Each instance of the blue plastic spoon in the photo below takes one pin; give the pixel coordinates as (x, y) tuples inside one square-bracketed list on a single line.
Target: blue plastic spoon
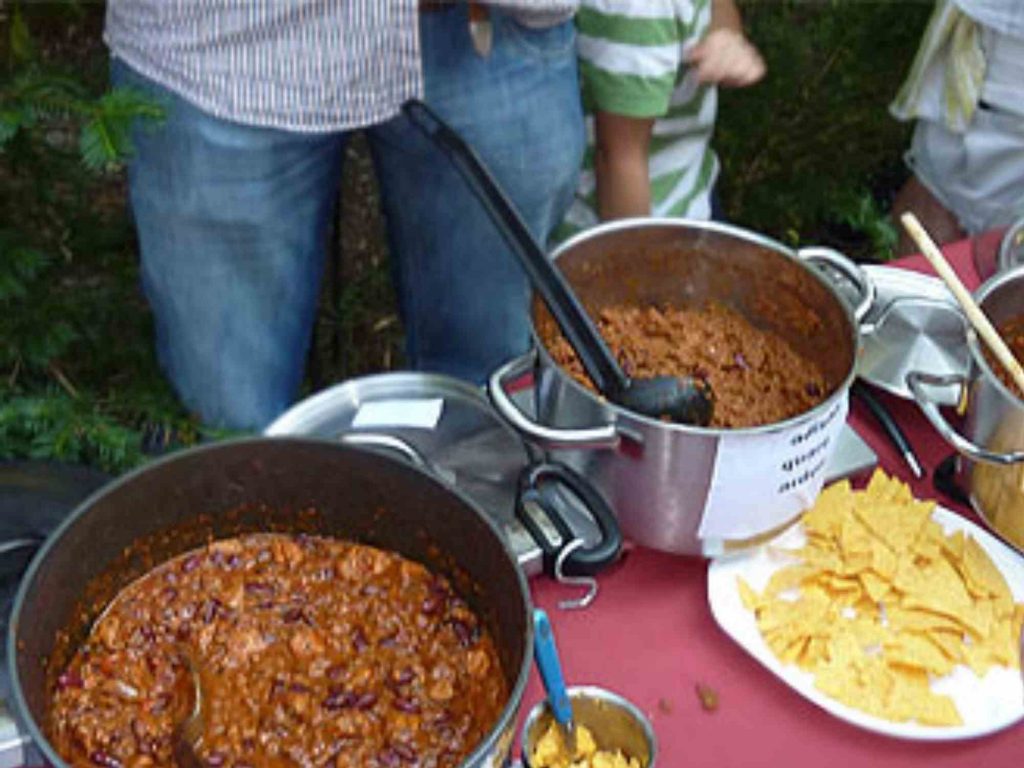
[(545, 654)]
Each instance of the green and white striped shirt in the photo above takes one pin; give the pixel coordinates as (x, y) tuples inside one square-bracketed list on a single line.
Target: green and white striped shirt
[(631, 63)]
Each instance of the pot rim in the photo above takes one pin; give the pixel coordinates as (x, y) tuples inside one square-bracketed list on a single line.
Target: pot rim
[(991, 285), (19, 705), (740, 233)]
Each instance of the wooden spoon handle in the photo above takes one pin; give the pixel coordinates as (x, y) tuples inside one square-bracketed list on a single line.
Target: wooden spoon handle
[(975, 316)]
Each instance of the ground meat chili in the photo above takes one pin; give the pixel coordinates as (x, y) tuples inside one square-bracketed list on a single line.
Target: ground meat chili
[(1012, 332), (756, 377), (312, 651)]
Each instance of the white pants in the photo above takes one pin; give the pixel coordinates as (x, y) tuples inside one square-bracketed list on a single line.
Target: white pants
[(979, 174)]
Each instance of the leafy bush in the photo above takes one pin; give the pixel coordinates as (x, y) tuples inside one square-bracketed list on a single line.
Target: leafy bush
[(71, 323), (811, 154)]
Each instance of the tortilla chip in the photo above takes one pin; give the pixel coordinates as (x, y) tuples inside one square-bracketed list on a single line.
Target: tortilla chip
[(883, 601)]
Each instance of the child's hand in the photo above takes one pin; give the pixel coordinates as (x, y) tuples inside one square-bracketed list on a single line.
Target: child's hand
[(726, 57)]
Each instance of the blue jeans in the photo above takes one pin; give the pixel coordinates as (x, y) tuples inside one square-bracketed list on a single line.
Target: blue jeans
[(232, 221)]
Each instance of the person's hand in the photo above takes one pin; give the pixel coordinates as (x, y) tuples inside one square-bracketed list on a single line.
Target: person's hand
[(726, 57)]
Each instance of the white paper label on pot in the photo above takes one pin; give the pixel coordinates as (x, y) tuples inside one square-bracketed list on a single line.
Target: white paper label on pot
[(761, 481), (422, 413)]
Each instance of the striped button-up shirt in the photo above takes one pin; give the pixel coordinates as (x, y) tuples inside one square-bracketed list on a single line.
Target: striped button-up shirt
[(303, 65)]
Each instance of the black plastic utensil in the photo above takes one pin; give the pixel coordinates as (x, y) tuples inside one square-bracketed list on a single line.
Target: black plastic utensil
[(944, 480), (683, 401), (889, 426)]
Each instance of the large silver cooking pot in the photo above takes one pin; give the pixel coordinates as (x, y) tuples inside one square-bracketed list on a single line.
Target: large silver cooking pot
[(262, 484), (657, 476), (991, 445)]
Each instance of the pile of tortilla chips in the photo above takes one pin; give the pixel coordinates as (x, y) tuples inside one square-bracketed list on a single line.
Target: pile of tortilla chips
[(881, 601)]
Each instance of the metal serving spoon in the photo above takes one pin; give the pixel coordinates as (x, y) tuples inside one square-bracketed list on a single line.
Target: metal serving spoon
[(680, 400), (188, 733)]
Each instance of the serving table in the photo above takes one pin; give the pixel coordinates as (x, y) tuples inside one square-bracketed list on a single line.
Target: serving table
[(650, 636)]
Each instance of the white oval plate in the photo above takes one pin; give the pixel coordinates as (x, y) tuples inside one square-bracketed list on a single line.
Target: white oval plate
[(986, 704)]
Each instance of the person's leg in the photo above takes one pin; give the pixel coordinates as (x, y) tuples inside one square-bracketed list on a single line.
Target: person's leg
[(463, 296), (936, 161), (231, 223), (940, 222)]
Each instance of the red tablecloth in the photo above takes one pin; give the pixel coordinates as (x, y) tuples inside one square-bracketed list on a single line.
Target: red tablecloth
[(650, 636)]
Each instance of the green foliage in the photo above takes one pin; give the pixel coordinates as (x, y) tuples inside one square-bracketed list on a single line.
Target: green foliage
[(19, 266), (357, 329), (35, 94), (51, 425), (22, 47), (862, 213), (34, 97), (78, 381), (105, 137), (28, 342), (794, 146)]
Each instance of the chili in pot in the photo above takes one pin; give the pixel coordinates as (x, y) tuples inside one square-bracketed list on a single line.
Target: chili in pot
[(312, 651)]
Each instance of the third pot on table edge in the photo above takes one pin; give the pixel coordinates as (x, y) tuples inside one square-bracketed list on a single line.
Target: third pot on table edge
[(991, 446)]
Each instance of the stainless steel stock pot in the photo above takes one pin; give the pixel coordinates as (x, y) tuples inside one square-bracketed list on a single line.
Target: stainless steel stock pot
[(657, 476), (991, 444)]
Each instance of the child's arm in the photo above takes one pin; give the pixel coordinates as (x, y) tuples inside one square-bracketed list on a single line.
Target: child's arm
[(620, 165), (627, 83), (622, 150), (725, 56)]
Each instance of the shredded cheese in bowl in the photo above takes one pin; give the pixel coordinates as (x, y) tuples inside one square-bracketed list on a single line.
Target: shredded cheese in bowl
[(551, 752)]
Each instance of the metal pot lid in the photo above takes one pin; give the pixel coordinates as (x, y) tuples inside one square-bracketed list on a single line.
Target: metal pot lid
[(448, 428), (441, 423), (914, 324)]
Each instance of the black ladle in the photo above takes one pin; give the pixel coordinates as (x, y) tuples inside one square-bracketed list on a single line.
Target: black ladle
[(680, 400)]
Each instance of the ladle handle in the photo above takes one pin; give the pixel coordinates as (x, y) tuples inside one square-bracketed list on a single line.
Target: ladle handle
[(598, 361)]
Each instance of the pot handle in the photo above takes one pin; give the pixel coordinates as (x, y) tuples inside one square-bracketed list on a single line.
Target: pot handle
[(31, 543), (393, 444), (549, 438), (869, 328), (533, 511), (917, 381), (18, 749), (866, 290), (386, 443)]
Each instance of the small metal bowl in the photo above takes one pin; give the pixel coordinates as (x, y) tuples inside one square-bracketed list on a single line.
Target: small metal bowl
[(615, 722)]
